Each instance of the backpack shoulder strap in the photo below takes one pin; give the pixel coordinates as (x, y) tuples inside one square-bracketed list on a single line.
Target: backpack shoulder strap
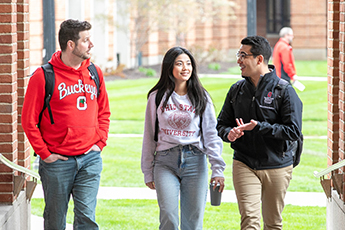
[(159, 96), (94, 75), (235, 90), (49, 89), (279, 91), (50, 84)]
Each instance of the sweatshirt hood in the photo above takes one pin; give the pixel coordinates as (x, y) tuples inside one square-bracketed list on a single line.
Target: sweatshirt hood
[(57, 63)]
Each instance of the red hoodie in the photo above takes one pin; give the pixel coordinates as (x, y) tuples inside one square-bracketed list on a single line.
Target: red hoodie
[(81, 118), (283, 60)]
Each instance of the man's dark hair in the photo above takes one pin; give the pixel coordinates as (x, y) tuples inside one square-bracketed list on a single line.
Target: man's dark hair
[(259, 46), (69, 30)]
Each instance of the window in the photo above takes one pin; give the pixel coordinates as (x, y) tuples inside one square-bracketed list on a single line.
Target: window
[(278, 15)]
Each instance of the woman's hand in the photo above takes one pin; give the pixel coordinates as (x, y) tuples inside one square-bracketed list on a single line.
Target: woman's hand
[(218, 180), (151, 185)]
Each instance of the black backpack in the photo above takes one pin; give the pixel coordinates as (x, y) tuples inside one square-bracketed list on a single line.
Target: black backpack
[(296, 146), (50, 84)]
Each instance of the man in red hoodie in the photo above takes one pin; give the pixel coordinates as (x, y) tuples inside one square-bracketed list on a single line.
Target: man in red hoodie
[(283, 58), (69, 149)]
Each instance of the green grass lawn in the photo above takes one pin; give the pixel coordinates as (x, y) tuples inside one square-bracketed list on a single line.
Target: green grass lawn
[(143, 215), (121, 164), (121, 158)]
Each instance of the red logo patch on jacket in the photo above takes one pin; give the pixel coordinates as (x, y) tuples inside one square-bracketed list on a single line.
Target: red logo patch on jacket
[(268, 100)]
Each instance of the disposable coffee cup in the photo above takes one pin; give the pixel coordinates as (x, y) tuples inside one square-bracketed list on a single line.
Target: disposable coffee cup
[(215, 195)]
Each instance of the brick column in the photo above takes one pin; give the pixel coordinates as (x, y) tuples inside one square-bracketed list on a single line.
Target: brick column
[(341, 16), (333, 82), (336, 85), (23, 76), (8, 96)]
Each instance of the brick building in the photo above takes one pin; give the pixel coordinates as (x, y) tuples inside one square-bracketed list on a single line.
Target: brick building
[(113, 44), (14, 72)]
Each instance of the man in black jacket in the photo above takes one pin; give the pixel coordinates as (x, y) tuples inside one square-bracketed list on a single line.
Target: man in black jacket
[(261, 130)]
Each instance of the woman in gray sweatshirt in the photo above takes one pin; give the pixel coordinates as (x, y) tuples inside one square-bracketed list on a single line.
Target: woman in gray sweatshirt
[(180, 131)]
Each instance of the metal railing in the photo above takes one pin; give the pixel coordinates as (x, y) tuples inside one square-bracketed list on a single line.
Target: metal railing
[(19, 180), (330, 169), (18, 167)]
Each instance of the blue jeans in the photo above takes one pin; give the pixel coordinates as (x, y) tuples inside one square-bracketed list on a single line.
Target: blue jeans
[(181, 170), (79, 176)]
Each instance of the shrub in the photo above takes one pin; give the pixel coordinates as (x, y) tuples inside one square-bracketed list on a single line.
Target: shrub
[(149, 72), (214, 66)]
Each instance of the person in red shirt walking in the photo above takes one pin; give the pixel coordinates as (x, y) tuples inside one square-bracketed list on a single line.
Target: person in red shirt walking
[(70, 147), (283, 58)]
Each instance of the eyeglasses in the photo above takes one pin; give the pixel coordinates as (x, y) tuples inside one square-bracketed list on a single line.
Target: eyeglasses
[(242, 55)]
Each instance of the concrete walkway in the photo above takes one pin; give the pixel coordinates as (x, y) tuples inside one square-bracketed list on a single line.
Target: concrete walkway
[(293, 198), (114, 193)]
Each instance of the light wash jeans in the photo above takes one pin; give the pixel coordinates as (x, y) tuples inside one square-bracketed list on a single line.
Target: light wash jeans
[(79, 176), (181, 170)]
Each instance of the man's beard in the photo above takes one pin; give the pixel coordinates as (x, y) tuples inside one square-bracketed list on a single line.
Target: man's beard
[(77, 53)]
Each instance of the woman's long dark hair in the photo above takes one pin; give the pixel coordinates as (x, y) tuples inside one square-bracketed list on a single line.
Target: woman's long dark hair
[(166, 83)]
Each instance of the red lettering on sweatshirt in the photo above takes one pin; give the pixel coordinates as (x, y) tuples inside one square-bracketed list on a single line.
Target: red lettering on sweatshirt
[(182, 107), (170, 107), (178, 133)]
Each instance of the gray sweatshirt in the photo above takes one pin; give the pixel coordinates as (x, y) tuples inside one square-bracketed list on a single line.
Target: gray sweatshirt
[(178, 125)]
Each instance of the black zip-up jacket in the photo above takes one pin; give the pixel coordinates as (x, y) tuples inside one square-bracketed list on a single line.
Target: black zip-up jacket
[(267, 145)]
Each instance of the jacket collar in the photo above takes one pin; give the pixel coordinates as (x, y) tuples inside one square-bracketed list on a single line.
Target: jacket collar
[(265, 77)]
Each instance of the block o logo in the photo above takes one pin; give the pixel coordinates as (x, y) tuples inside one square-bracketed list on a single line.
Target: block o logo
[(81, 103)]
